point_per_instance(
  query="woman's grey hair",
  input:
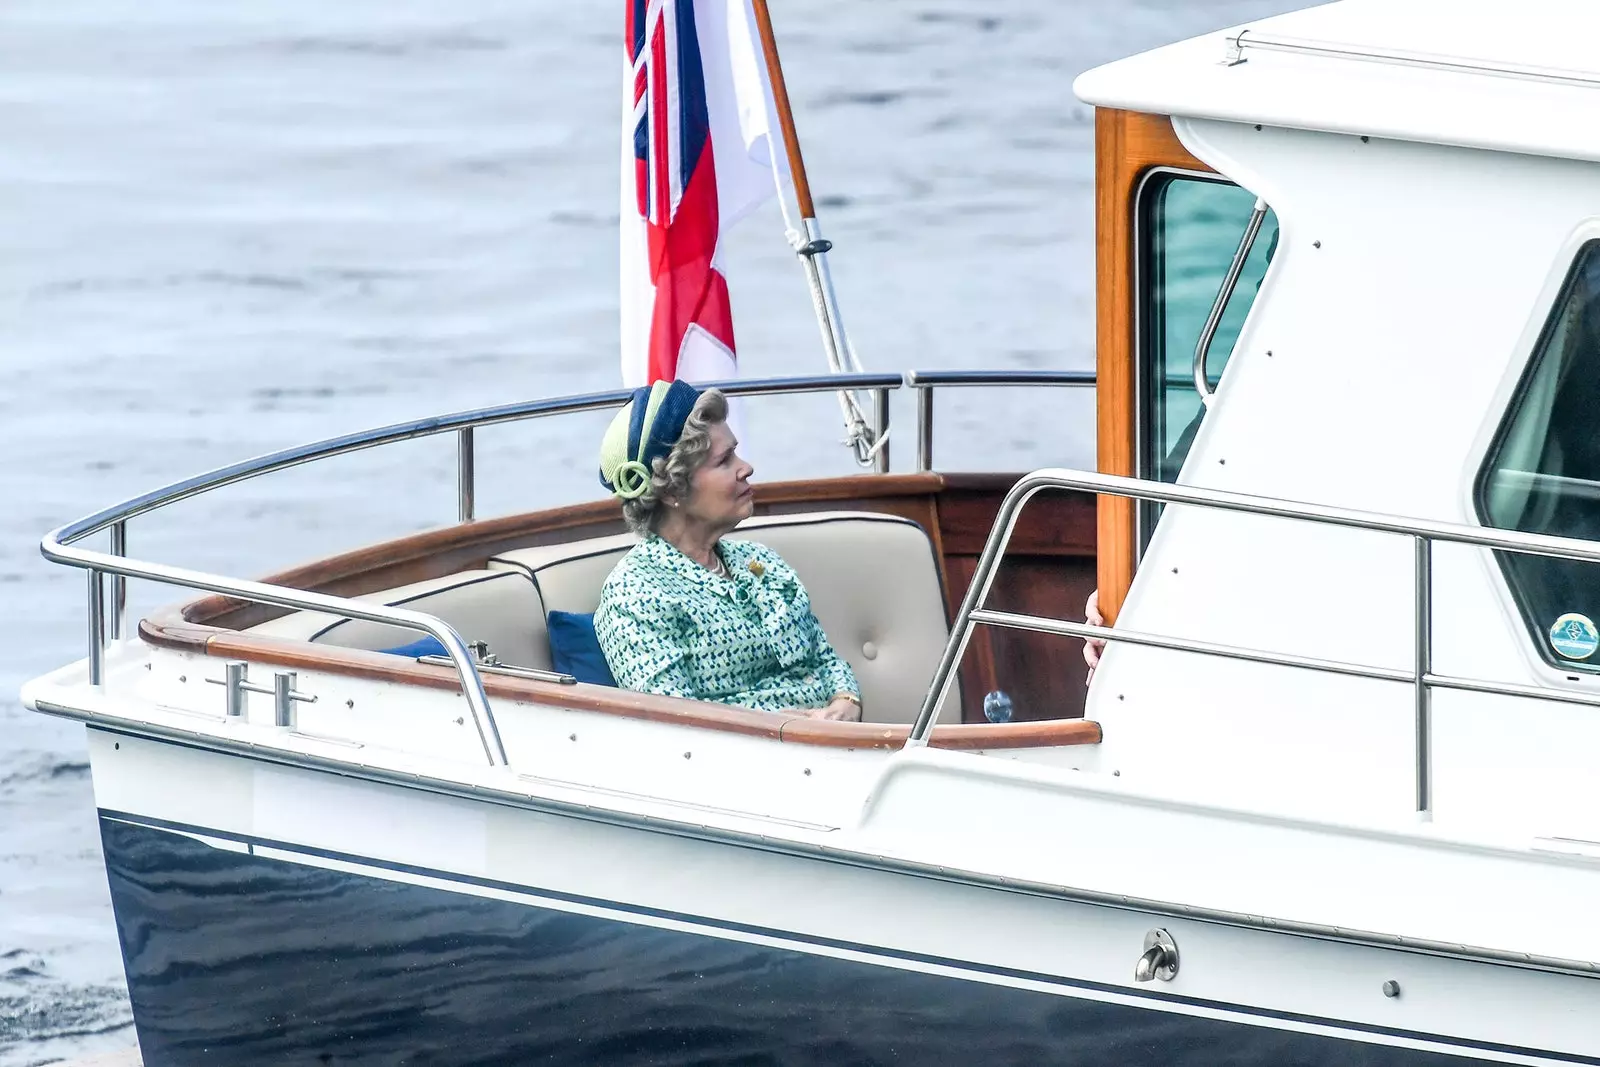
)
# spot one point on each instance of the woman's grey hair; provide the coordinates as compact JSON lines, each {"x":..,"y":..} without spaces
{"x":670,"y":474}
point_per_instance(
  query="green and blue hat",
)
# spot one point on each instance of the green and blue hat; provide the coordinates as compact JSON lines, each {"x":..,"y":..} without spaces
{"x":643,"y":431}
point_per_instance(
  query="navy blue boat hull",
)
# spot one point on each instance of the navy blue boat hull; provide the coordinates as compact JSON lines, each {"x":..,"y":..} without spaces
{"x":237,"y":959}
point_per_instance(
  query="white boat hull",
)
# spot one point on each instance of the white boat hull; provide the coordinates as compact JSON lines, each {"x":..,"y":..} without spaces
{"x":273,"y":914}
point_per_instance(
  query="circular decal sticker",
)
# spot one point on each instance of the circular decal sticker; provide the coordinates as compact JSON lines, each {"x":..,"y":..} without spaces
{"x":1574,"y":636}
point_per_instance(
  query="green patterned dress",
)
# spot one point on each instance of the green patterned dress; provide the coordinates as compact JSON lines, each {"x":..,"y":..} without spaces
{"x":667,"y":625}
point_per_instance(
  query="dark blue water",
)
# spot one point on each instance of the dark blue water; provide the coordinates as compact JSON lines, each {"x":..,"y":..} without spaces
{"x":228,"y":228}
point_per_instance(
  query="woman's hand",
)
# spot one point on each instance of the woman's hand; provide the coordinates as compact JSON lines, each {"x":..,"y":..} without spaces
{"x":1091,"y":647}
{"x":841,"y":709}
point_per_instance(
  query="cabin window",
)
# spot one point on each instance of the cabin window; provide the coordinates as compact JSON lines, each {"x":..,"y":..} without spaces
{"x":1190,"y":227}
{"x":1542,"y":474}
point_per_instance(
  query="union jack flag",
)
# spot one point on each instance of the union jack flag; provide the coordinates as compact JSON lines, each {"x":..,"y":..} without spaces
{"x":675,"y":187}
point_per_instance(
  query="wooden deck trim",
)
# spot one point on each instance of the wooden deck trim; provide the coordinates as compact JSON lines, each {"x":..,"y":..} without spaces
{"x":1045,"y":733}
{"x":1126,"y":145}
{"x":795,"y":729}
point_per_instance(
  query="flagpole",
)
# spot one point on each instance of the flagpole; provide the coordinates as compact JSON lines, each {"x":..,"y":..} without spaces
{"x":867,"y":442}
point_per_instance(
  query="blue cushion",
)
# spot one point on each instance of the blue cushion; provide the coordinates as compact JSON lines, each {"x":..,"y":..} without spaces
{"x":575,"y":650}
{"x":423,"y":646}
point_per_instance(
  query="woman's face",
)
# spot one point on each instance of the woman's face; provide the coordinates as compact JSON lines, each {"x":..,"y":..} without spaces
{"x":719,"y":490}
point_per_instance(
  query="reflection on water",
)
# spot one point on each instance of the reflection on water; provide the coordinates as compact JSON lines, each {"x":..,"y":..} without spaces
{"x":230,"y":228}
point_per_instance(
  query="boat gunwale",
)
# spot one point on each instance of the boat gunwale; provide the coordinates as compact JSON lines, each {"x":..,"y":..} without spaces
{"x":311,"y":658}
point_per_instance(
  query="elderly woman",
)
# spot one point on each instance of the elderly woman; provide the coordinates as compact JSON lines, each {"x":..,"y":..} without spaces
{"x":689,"y":612}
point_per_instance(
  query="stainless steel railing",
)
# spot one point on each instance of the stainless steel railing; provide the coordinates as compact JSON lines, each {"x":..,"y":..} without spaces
{"x":62,"y":544}
{"x":1219,"y":306}
{"x":924,"y":382}
{"x":1424,"y":535}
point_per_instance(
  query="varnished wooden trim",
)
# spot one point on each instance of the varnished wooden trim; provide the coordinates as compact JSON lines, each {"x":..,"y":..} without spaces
{"x":1045,"y":733}
{"x":383,"y":667}
{"x":398,"y":670}
{"x":168,"y":631}
{"x":1126,"y":145}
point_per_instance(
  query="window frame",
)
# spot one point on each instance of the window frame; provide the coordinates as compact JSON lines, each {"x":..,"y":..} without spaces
{"x":1145,"y":512}
{"x":1549,"y":306}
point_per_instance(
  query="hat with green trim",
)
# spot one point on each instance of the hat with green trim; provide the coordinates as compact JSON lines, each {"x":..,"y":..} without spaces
{"x":643,"y":431}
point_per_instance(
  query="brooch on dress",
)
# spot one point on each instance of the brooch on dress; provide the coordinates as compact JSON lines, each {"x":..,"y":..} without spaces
{"x":756,"y":568}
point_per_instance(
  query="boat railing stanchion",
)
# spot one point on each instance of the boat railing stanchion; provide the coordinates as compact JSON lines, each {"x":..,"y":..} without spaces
{"x":880,"y":447}
{"x":97,"y":628}
{"x":119,"y":584}
{"x":466,"y":475}
{"x":1422,"y":668}
{"x":924,"y":395}
{"x":977,"y":595}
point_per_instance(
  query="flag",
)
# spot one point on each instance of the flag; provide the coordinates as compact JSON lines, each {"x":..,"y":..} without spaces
{"x":698,"y":153}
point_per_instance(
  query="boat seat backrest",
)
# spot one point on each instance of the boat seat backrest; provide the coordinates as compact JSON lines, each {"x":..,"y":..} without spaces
{"x":873,"y":580}
{"x":500,"y":607}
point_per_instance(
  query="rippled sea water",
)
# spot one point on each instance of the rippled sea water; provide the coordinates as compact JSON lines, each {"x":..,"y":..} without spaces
{"x":229,"y":228}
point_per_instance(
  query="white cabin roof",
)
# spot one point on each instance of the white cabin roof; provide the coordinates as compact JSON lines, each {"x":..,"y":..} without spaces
{"x":1522,"y":77}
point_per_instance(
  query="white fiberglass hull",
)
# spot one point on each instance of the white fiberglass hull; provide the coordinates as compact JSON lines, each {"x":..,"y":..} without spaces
{"x":272,"y":913}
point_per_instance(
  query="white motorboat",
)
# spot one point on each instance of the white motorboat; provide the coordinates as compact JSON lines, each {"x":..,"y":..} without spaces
{"x":1328,"y":799}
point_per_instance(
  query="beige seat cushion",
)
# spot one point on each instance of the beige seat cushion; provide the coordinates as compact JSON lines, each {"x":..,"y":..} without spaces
{"x":500,"y":607}
{"x":873,"y":580}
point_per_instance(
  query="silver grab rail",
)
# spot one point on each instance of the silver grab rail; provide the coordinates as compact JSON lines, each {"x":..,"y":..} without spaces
{"x":1424,"y":533}
{"x":924,"y":382}
{"x":1219,"y":306}
{"x":58,"y":546}
{"x":99,"y":563}
{"x":438,"y":424}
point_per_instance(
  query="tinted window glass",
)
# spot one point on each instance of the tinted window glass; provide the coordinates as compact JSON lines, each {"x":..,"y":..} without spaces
{"x":1543,"y":473}
{"x":1190,"y":230}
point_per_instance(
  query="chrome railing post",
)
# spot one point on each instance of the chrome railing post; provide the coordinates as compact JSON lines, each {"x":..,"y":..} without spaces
{"x":977,"y":592}
{"x":1422,"y":666}
{"x":924,"y":426}
{"x":119,"y":584}
{"x":97,"y":628}
{"x":466,"y":475}
{"x":880,"y":455}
